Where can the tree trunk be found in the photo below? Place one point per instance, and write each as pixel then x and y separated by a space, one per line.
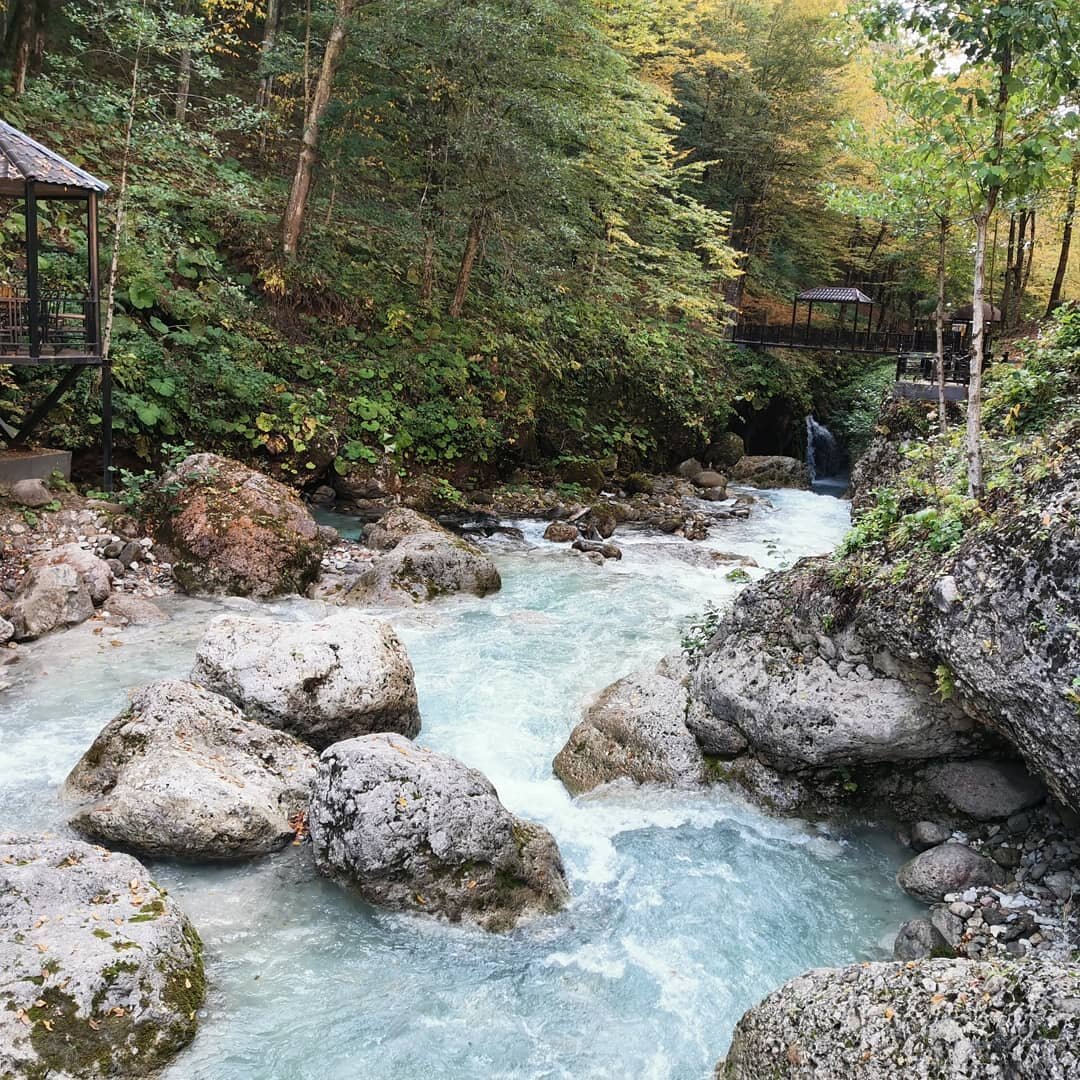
pixel 939 322
pixel 23 32
pixel 270 28
pixel 1027 258
pixel 973 442
pixel 427 269
pixel 468 262
pixel 1010 259
pixel 183 85
pixel 293 224
pixel 1066 238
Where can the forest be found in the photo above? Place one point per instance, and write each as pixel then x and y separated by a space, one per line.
pixel 463 237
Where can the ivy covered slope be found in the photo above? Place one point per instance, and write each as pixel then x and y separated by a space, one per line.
pixel 965 612
pixel 591 323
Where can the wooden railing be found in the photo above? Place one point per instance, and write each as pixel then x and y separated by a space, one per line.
pixel 53 326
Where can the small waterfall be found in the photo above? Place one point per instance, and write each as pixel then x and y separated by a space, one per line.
pixel 824 457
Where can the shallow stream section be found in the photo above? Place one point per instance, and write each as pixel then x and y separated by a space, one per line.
pixel 686 907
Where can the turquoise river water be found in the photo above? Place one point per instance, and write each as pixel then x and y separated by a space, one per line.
pixel 686 907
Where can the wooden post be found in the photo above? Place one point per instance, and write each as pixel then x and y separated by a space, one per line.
pixel 93 322
pixel 33 297
pixel 809 313
pixel 794 307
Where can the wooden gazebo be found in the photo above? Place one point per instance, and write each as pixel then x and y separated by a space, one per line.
pixel 829 294
pixel 41 326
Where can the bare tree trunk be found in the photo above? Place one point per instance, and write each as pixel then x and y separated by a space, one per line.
pixel 183 85
pixel 293 224
pixel 468 262
pixel 939 323
pixel 270 29
pixel 1007 284
pixel 1066 238
pixel 1027 257
pixel 427 269
pixel 973 442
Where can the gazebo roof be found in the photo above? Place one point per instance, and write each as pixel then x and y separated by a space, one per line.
pixel 825 294
pixel 22 159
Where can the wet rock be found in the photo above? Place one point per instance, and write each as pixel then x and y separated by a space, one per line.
pixel 918 939
pixel 935 1019
pixel 928 834
pixel 986 790
pixel 421 561
pixel 709 479
pixel 325 681
pixel 7 631
pixel 948 868
pixel 235 531
pixel 182 773
pixel 103 973
pixel 31 493
pixel 94 572
pixel 414 830
pixel 134 610
pixel 49 598
pixel 771 472
pixel 635 730
pixel 561 532
pixel 607 551
pixel 713 735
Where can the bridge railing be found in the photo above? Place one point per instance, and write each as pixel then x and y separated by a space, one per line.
pixel 838 338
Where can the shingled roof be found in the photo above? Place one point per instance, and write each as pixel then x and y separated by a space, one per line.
pixel 828 295
pixel 22 159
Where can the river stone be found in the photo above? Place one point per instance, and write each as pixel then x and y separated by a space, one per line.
pixel 561 532
pixel 945 869
pixel 709 479
pixel 103 973
pixel 596 547
pixel 928 834
pixel 49 598
pixel 635 729
pixel 95 572
pixel 325 681
pixel 929 1020
pixel 690 468
pixel 31 493
pixel 134 610
pixel 918 939
pixel 415 830
pixel 770 472
pixel 182 773
pixel 986 790
pixel 236 532
pixel 713 735
pixel 7 631
pixel 421 561
pixel 770 673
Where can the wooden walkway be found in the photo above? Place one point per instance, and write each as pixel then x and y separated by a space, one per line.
pixel 837 339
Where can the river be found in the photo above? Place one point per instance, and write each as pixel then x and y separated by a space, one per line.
pixel 686 907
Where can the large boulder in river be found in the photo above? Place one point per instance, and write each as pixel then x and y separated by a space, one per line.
pixel 928 1020
pixel 102 972
pixel 804 698
pixel 414 830
pixel 325 681
pixel 945 869
pixel 49 598
pixel 771 471
pixel 182 773
pixel 635 730
pixel 235 531
pixel 421 561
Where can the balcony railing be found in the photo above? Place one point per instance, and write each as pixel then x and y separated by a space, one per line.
pixel 56 327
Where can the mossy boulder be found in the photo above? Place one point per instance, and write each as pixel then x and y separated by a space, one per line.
pixel 103 973
pixel 234 531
